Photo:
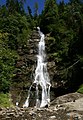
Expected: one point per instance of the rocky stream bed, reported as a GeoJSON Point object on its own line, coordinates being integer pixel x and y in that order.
{"type": "Point", "coordinates": [66, 107]}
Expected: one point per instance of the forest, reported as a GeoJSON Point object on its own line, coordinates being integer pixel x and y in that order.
{"type": "Point", "coordinates": [63, 22]}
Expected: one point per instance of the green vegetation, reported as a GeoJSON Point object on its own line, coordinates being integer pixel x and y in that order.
{"type": "Point", "coordinates": [5, 100]}
{"type": "Point", "coordinates": [14, 33]}
{"type": "Point", "coordinates": [80, 90]}
{"type": "Point", "coordinates": [63, 23]}
{"type": "Point", "coordinates": [7, 61]}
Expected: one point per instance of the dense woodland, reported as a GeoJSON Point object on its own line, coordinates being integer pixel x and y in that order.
{"type": "Point", "coordinates": [64, 24]}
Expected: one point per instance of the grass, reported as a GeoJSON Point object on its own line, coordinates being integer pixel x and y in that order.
{"type": "Point", "coordinates": [80, 90]}
{"type": "Point", "coordinates": [5, 100]}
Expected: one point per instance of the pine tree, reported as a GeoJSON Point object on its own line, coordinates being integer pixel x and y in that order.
{"type": "Point", "coordinates": [15, 6]}
{"type": "Point", "coordinates": [35, 9]}
{"type": "Point", "coordinates": [49, 15]}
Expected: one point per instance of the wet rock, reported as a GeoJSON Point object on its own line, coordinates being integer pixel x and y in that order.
{"type": "Point", "coordinates": [8, 118]}
{"type": "Point", "coordinates": [32, 113]}
{"type": "Point", "coordinates": [49, 110]}
{"type": "Point", "coordinates": [20, 113]}
{"type": "Point", "coordinates": [1, 109]}
{"type": "Point", "coordinates": [52, 117]}
{"type": "Point", "coordinates": [39, 115]}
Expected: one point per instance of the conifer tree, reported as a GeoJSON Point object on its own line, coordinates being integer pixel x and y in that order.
{"type": "Point", "coordinates": [49, 15]}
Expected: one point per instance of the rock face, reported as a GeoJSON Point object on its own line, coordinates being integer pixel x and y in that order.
{"type": "Point", "coordinates": [25, 69]}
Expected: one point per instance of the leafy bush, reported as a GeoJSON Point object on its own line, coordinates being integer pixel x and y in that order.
{"type": "Point", "coordinates": [5, 100]}
{"type": "Point", "coordinates": [80, 90]}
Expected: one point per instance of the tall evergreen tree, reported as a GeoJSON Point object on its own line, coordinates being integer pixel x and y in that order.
{"type": "Point", "coordinates": [35, 9]}
{"type": "Point", "coordinates": [15, 6]}
{"type": "Point", "coordinates": [49, 15]}
{"type": "Point", "coordinates": [29, 11]}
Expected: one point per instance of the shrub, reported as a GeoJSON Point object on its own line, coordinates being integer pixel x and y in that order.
{"type": "Point", "coordinates": [80, 90]}
{"type": "Point", "coordinates": [5, 100]}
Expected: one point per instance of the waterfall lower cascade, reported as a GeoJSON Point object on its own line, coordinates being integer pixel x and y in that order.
{"type": "Point", "coordinates": [41, 76]}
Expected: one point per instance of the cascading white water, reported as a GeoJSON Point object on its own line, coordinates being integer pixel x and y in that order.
{"type": "Point", "coordinates": [41, 76]}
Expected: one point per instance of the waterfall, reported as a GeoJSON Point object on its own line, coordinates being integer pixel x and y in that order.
{"type": "Point", "coordinates": [41, 76]}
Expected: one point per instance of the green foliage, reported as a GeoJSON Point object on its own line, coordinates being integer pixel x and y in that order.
{"type": "Point", "coordinates": [36, 10]}
{"type": "Point", "coordinates": [15, 6]}
{"type": "Point", "coordinates": [64, 24]}
{"type": "Point", "coordinates": [7, 61]}
{"type": "Point", "coordinates": [17, 28]}
{"type": "Point", "coordinates": [80, 90]}
{"type": "Point", "coordinates": [5, 100]}
{"type": "Point", "coordinates": [49, 16]}
{"type": "Point", "coordinates": [29, 11]}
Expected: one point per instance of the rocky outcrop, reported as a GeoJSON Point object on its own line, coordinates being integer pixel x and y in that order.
{"type": "Point", "coordinates": [71, 97]}
{"type": "Point", "coordinates": [60, 110]}
{"type": "Point", "coordinates": [25, 69]}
